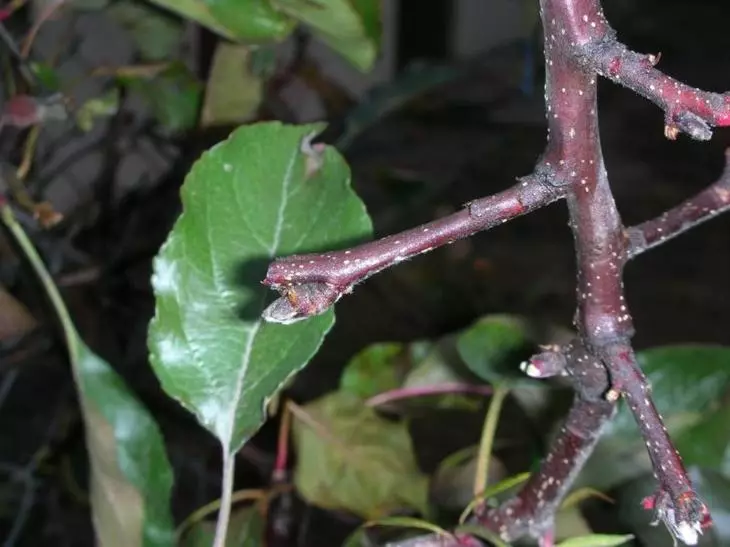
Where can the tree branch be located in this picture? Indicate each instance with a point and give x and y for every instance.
(707, 204)
(579, 46)
(311, 283)
(686, 108)
(532, 511)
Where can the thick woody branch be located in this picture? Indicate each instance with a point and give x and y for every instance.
(311, 283)
(709, 203)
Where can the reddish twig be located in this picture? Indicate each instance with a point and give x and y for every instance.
(425, 391)
(579, 46)
(311, 283)
(707, 204)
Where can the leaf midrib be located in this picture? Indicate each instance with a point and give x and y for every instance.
(246, 357)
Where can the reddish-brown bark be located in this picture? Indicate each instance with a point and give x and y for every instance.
(579, 47)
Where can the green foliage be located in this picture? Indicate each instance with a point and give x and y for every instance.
(244, 202)
(47, 76)
(197, 11)
(251, 21)
(156, 34)
(247, 529)
(596, 540)
(173, 95)
(233, 93)
(98, 107)
(493, 347)
(374, 370)
(350, 27)
(349, 458)
(131, 478)
(417, 368)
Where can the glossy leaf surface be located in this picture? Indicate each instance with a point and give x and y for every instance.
(246, 201)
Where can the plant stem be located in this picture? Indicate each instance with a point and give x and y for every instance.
(487, 440)
(224, 515)
(424, 391)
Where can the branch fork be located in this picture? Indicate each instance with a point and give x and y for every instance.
(579, 47)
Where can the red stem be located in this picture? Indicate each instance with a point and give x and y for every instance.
(422, 391)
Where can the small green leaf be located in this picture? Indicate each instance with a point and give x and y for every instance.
(47, 76)
(707, 444)
(246, 529)
(494, 346)
(174, 96)
(597, 540)
(233, 93)
(99, 107)
(197, 11)
(131, 478)
(570, 523)
(580, 495)
(374, 370)
(349, 458)
(156, 34)
(350, 27)
(358, 538)
(245, 202)
(251, 21)
(492, 491)
(481, 532)
(410, 522)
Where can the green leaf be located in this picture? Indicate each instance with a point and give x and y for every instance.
(493, 490)
(99, 107)
(570, 524)
(374, 370)
(197, 11)
(349, 458)
(481, 532)
(251, 21)
(685, 380)
(47, 76)
(173, 95)
(247, 529)
(245, 202)
(156, 34)
(707, 444)
(131, 478)
(350, 27)
(596, 540)
(409, 522)
(579, 495)
(233, 93)
(494, 346)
